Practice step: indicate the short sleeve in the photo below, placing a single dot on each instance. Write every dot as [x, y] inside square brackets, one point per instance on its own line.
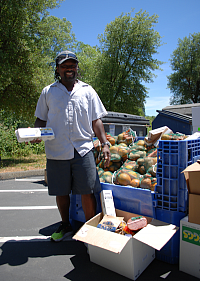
[42, 109]
[99, 110]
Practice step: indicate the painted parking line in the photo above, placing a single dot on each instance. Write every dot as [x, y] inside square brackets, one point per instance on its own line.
[24, 190]
[24, 238]
[28, 208]
[29, 179]
[30, 239]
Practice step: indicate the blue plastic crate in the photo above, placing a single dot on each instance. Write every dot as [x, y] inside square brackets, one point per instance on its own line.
[139, 138]
[172, 158]
[170, 252]
[133, 200]
[126, 198]
[76, 211]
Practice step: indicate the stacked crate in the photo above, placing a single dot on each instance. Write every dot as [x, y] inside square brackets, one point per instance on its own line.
[171, 190]
[169, 202]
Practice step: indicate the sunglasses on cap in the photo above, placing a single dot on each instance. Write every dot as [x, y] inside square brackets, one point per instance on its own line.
[63, 56]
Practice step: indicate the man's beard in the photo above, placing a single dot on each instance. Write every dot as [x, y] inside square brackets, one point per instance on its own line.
[71, 77]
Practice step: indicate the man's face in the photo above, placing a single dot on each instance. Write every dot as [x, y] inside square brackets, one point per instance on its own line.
[68, 70]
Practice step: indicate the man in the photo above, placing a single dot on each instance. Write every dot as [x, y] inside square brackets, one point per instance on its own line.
[73, 110]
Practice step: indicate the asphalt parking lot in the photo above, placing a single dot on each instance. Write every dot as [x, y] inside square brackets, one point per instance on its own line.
[28, 216]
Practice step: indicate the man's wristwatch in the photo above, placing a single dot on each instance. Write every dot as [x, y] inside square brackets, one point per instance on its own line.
[105, 143]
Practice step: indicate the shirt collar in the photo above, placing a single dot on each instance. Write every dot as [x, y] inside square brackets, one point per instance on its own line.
[76, 87]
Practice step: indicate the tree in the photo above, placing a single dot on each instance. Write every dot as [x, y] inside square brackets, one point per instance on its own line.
[127, 48]
[184, 82]
[88, 57]
[30, 40]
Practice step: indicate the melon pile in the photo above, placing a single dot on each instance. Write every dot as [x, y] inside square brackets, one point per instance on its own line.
[133, 163]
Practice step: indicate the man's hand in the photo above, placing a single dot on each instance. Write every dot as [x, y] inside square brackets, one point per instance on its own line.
[34, 141]
[107, 155]
[38, 123]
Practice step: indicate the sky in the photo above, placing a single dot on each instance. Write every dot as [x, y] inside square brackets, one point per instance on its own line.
[177, 19]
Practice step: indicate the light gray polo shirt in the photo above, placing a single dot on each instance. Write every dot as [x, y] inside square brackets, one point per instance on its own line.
[70, 115]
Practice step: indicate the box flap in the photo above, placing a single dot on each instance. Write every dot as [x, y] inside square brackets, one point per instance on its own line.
[195, 167]
[156, 234]
[101, 238]
[192, 175]
[155, 134]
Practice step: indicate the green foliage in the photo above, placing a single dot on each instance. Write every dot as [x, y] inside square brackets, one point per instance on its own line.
[30, 40]
[127, 48]
[88, 57]
[9, 146]
[184, 82]
[151, 118]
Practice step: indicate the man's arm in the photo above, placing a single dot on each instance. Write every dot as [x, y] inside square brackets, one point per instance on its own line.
[99, 131]
[40, 123]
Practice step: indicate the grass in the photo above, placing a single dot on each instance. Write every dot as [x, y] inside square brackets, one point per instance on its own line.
[31, 162]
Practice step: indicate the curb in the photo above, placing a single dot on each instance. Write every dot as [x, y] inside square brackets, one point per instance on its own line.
[21, 174]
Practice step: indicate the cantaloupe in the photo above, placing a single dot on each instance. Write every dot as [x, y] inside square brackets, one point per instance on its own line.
[140, 142]
[130, 167]
[135, 183]
[114, 149]
[133, 174]
[146, 183]
[122, 144]
[124, 179]
[120, 137]
[123, 151]
[107, 173]
[111, 140]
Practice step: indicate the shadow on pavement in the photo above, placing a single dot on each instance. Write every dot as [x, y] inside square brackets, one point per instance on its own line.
[19, 252]
[48, 230]
[16, 253]
[42, 182]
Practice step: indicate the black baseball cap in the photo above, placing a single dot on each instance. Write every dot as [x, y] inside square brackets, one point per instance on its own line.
[65, 55]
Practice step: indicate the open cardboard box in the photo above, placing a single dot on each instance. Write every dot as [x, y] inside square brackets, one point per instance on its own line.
[128, 256]
[192, 177]
[154, 135]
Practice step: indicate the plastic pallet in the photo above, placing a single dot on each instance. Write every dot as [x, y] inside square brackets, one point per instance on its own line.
[172, 158]
[133, 200]
[126, 198]
[76, 211]
[170, 252]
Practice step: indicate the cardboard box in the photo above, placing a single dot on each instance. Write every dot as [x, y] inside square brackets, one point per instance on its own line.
[154, 135]
[29, 134]
[189, 260]
[192, 177]
[128, 256]
[194, 208]
[107, 203]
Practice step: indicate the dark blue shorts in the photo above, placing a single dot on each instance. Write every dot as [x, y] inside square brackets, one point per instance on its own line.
[78, 175]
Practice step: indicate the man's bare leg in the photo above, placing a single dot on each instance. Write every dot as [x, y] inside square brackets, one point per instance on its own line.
[88, 205]
[63, 203]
